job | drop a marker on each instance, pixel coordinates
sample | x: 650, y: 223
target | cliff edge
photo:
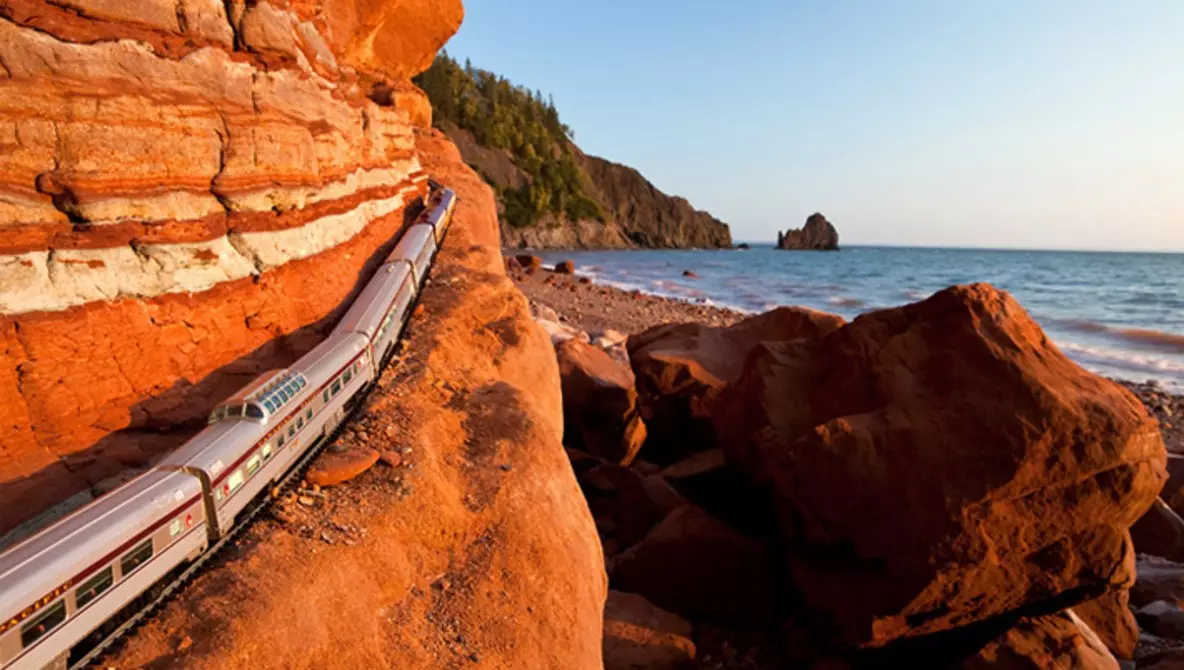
x: 189, y: 195
x: 470, y: 546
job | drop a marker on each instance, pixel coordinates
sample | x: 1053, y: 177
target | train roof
x: 412, y: 245
x: 330, y: 357
x: 84, y: 539
x: 369, y: 310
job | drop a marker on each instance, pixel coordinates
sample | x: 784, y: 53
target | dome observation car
x: 263, y: 399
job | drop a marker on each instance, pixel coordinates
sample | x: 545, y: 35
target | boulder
x: 941, y: 464
x: 1163, y: 619
x: 817, y: 235
x: 689, y: 274
x: 542, y: 312
x: 333, y: 468
x: 529, y: 262
x: 1111, y: 618
x: 724, y: 491
x: 565, y: 268
x: 681, y: 368
x: 640, y: 636
x: 697, y: 566
x: 561, y: 332
x: 1059, y: 641
x: 1160, y: 532
x: 599, y: 403
x: 1158, y: 579
x: 627, y: 503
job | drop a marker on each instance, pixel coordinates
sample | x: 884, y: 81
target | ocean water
x: 1118, y: 314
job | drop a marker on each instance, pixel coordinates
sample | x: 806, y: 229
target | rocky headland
x: 550, y: 193
x: 817, y: 235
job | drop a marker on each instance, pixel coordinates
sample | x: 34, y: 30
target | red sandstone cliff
x: 478, y: 550
x: 189, y: 192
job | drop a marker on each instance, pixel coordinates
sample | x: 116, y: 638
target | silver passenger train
x: 62, y: 584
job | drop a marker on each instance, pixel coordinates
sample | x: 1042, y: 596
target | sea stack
x: 817, y: 235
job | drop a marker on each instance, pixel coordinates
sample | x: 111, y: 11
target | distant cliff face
x: 550, y: 194
x: 636, y: 214
x: 189, y: 191
x: 817, y: 235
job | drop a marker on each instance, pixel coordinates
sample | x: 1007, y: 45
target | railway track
x: 90, y: 652
x: 139, y: 612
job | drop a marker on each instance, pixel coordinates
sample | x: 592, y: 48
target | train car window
x: 348, y: 376
x: 308, y: 414
x: 299, y: 422
x: 254, y: 412
x: 136, y: 557
x: 37, y: 628
x: 283, y: 395
x: 336, y: 387
x: 303, y: 381
x: 235, y: 481
x: 291, y: 430
x: 253, y: 465
x: 269, y: 405
x: 281, y: 440
x: 93, y: 587
x: 326, y: 395
x: 266, y: 451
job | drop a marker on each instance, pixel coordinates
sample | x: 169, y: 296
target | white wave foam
x: 1162, y: 368
x: 845, y: 301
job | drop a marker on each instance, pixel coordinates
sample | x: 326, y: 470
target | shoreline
x: 597, y: 307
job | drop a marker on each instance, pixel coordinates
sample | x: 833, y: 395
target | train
x: 69, y: 582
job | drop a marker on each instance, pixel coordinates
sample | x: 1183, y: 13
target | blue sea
x: 1119, y: 314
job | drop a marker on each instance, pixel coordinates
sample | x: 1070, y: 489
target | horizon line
x: 1086, y: 250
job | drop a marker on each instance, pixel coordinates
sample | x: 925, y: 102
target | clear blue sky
x: 1001, y: 123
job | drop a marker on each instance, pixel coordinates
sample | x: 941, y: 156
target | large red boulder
x: 942, y: 463
x: 697, y: 566
x: 681, y: 368
x: 599, y: 403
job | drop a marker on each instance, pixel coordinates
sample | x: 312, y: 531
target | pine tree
x: 504, y: 116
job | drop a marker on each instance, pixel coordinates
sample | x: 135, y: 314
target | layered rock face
x: 817, y: 235
x: 941, y: 464
x: 189, y: 191
x: 477, y: 551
